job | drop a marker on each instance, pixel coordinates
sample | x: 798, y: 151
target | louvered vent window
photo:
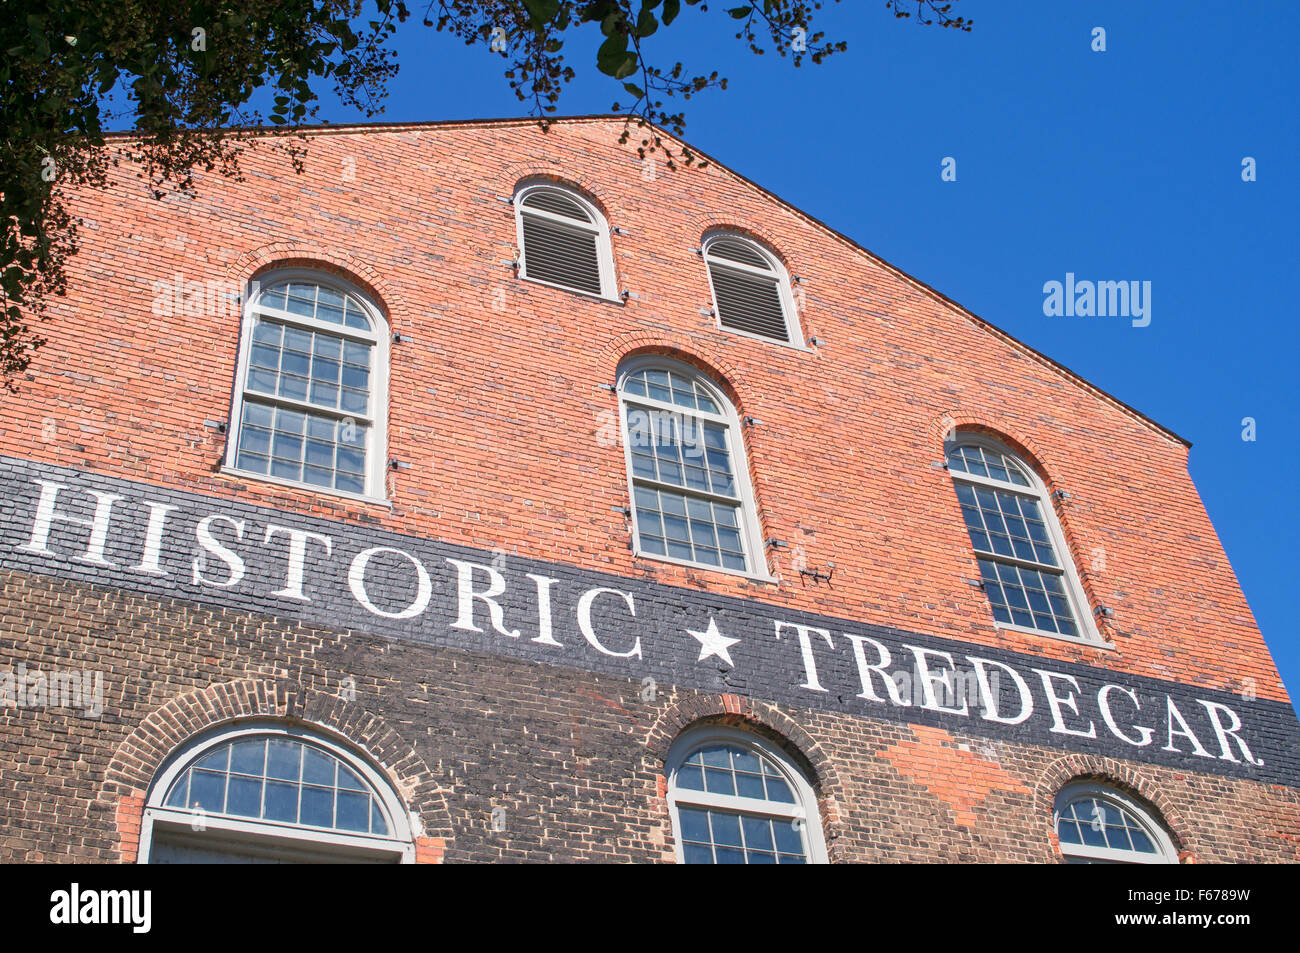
x: 749, y: 289
x: 564, y: 242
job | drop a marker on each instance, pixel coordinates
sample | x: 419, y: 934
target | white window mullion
x: 991, y: 455
x: 782, y: 826
x: 334, y: 473
x: 734, y: 548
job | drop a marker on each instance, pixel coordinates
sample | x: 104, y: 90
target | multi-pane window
x: 738, y: 801
x: 1024, y: 566
x: 563, y: 241
x: 1097, y: 825
x: 280, y: 779
x: 308, y: 410
x: 751, y: 293
x: 690, y: 496
x: 263, y: 792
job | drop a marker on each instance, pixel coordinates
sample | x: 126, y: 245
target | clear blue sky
x: 1117, y: 165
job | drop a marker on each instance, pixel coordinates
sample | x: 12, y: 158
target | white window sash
x: 377, y: 394
x: 597, y: 227
x: 693, y: 415
x: 1018, y: 561
x: 775, y: 272
x: 711, y: 497
x: 994, y: 484
x: 751, y: 537
x: 315, y: 324
x: 228, y: 822
x: 736, y: 803
x: 257, y: 396
x: 577, y: 224
x: 1075, y: 595
x: 400, y: 840
x: 805, y: 809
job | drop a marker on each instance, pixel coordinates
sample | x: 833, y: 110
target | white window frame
x: 1166, y: 852
x: 805, y: 809
x: 750, y: 529
x: 794, y: 333
x: 376, y: 420
x: 233, y: 833
x: 598, y: 227
x: 1073, y: 585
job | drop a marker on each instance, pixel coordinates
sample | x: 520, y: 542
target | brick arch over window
x: 518, y: 174
x: 633, y: 345
x: 356, y: 270
x: 712, y: 223
x: 147, y: 749
x: 585, y: 187
x: 762, y: 719
x: 1116, y: 774
x: 679, y: 347
x: 996, y: 427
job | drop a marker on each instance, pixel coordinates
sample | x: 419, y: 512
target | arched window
x: 1025, y: 565
x: 310, y: 408
x: 563, y: 241
x: 269, y: 793
x: 689, y: 483
x: 1100, y: 825
x: 751, y: 292
x: 736, y: 799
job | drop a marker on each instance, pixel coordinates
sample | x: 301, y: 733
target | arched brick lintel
x: 532, y: 171
x: 140, y: 757
x: 999, y: 428
x: 296, y: 254
x: 686, y: 348
x: 1117, y: 774
x: 772, y: 724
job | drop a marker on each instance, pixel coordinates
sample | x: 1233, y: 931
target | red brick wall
x: 498, y: 410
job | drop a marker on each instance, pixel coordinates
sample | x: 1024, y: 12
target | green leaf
x: 635, y: 90
x: 541, y: 12
x: 646, y: 23
x: 671, y: 9
x: 612, y: 58
x: 740, y: 12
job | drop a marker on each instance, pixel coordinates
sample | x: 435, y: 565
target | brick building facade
x: 453, y: 615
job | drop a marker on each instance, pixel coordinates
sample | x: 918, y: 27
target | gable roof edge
x: 925, y: 289
x: 934, y: 293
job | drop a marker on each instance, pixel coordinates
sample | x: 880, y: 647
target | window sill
x: 245, y: 476
x: 576, y: 291
x: 790, y: 344
x: 1025, y: 630
x: 700, y: 567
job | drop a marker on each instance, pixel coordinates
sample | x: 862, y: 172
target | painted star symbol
x: 713, y: 642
